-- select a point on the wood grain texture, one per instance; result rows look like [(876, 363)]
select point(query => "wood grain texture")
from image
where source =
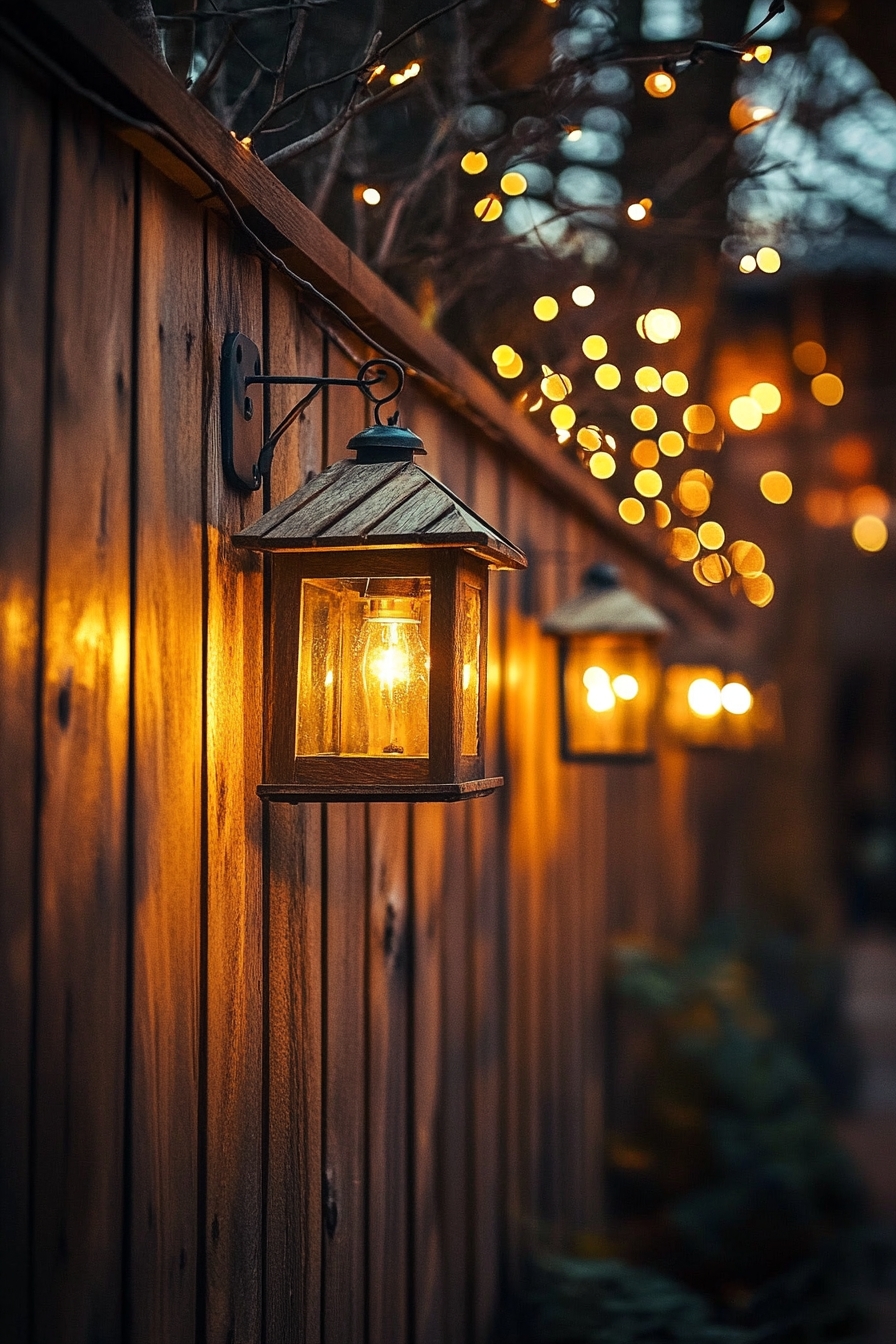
[(25, 240), (234, 838), (293, 1251), (168, 690), (81, 993), (428, 857), (387, 988)]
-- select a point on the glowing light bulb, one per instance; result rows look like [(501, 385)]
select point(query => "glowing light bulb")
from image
[(607, 376), (395, 679), (601, 697), (636, 212), (583, 296), (767, 396), (768, 260), (513, 369), (827, 389), (745, 413), (712, 535), (563, 416), (602, 466), (644, 417), (869, 533), (675, 383), (474, 162), (747, 264), (488, 209), (763, 53), (660, 84), (370, 196), (671, 444), (661, 325), (648, 483), (704, 698), (648, 379), (625, 686), (736, 697), (631, 510), (776, 486), (574, 133), (546, 308), (503, 354)]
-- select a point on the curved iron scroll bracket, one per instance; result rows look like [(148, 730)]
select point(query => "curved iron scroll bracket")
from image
[(247, 454)]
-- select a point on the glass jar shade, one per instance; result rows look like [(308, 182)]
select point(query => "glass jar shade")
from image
[(609, 687), (364, 667)]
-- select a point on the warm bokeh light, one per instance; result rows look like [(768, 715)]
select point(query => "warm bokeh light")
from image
[(745, 115), (767, 258), (758, 589), (643, 417), (776, 486), (536, 405), (563, 417), (683, 543), (583, 296), (826, 507), (626, 686), (697, 571), (636, 212), (503, 354), (768, 397), (746, 557), (699, 419), (489, 209), (763, 53), (563, 436), (645, 453), (648, 379), (594, 347), (736, 697), (513, 184), (747, 264), (693, 496), (513, 369), (662, 514), (659, 84), (827, 389), (588, 438), (607, 376), (631, 510), (745, 413), (602, 465), (556, 386), (671, 444), (574, 133), (869, 499), (712, 535), (370, 196), (870, 532), (648, 483), (704, 698), (661, 325), (675, 383), (601, 697), (852, 457), (474, 162), (809, 357), (546, 308), (715, 568), (707, 443)]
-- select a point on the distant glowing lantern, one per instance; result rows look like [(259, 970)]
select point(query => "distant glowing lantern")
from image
[(704, 707), (379, 614), (609, 670)]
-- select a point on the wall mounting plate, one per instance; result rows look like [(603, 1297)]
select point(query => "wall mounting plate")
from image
[(242, 412)]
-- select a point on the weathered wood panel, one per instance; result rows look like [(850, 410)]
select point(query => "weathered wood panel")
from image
[(26, 162), (234, 1181), (168, 803), (295, 897), (79, 1106)]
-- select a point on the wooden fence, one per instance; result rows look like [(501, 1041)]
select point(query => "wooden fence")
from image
[(269, 1073)]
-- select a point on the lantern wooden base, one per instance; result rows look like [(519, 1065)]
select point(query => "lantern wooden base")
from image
[(380, 793)]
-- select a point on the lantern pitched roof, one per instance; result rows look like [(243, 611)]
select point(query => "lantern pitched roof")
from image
[(605, 610), (354, 505)]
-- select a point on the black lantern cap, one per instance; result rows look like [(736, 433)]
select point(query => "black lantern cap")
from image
[(605, 607), (381, 500), (386, 443)]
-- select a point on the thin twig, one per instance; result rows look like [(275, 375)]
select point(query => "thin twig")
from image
[(351, 110)]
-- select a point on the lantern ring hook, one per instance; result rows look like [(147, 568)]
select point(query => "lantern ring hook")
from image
[(373, 374)]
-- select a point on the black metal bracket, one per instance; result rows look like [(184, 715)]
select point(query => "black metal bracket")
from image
[(247, 454)]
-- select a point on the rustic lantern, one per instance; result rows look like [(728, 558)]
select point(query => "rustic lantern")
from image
[(705, 707), (609, 670), (379, 630)]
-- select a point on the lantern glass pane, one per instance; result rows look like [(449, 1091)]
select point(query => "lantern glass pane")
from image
[(471, 634), (364, 667), (610, 692), (695, 710)]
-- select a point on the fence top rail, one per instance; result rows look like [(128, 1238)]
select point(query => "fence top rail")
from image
[(84, 40)]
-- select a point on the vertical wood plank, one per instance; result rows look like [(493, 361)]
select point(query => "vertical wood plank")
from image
[(345, 1086), (428, 826), (387, 989), (295, 896), (233, 1267), (25, 224), (168, 757), (81, 1008)]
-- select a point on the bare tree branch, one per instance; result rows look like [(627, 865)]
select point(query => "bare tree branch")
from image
[(351, 110)]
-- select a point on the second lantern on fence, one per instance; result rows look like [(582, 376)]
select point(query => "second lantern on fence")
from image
[(609, 669)]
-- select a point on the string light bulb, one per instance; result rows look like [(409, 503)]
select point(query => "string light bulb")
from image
[(546, 308), (488, 209), (660, 84), (594, 347), (747, 264), (514, 184), (474, 162), (583, 296)]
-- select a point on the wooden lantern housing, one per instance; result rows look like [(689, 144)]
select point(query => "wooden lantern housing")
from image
[(378, 631), (609, 670)]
